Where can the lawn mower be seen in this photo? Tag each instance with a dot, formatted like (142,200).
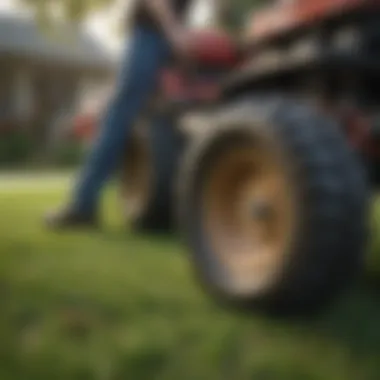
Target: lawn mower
(265,156)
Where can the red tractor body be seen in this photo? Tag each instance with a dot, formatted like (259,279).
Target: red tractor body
(215,54)
(215,49)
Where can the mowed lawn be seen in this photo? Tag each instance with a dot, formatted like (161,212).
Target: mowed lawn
(111,305)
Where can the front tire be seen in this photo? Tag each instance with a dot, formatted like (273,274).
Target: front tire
(273,206)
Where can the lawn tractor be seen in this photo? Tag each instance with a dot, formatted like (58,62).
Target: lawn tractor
(263,154)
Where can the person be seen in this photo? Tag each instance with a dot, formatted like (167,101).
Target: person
(158,31)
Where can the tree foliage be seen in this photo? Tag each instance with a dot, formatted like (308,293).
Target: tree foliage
(238,10)
(73,10)
(77,10)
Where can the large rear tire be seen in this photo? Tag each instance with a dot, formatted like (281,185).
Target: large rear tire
(273,206)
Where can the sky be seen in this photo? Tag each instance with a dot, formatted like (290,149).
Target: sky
(103,24)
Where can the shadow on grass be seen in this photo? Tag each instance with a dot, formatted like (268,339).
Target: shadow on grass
(355,323)
(124,234)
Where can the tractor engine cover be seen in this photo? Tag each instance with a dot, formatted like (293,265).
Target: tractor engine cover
(214,48)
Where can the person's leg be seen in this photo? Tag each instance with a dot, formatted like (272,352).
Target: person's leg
(144,58)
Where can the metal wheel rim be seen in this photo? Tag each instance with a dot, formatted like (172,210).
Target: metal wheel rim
(248,206)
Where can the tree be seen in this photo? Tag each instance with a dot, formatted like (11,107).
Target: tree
(237,11)
(73,10)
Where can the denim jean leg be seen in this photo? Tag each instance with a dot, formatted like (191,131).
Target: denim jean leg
(147,54)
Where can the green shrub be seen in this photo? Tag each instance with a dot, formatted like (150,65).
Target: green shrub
(68,154)
(15,148)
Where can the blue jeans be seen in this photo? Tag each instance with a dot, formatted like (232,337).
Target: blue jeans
(147,54)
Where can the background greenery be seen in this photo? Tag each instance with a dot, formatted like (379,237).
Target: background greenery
(15,147)
(113,305)
(19,150)
(76,10)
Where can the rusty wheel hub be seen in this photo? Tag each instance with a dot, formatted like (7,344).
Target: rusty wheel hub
(249,211)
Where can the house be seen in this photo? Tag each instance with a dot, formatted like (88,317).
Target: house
(46,74)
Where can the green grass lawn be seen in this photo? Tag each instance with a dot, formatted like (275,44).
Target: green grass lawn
(111,305)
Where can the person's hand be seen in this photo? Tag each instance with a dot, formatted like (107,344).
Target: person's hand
(181,44)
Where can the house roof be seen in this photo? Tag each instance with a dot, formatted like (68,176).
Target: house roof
(64,45)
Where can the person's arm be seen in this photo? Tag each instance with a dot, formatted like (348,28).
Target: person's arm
(163,13)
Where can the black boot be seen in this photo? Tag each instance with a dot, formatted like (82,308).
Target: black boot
(69,218)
